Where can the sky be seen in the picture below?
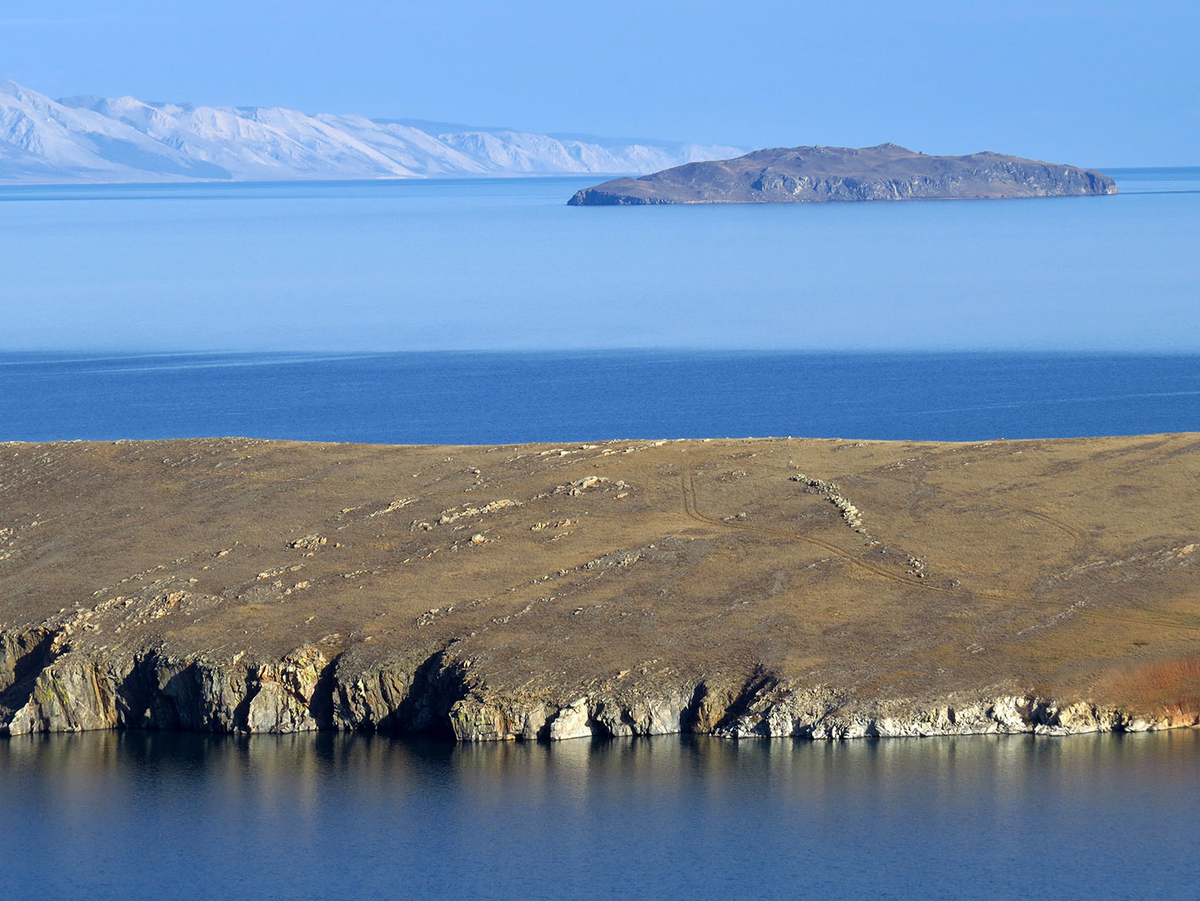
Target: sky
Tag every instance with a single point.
(1096, 84)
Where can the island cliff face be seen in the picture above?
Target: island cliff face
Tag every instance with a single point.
(772, 587)
(816, 174)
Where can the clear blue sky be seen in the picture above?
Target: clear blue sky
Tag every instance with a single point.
(1097, 84)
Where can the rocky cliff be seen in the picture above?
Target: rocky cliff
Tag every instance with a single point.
(815, 174)
(824, 589)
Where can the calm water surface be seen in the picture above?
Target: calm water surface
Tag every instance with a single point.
(143, 815)
(505, 264)
(470, 398)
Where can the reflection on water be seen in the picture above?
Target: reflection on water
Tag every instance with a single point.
(156, 815)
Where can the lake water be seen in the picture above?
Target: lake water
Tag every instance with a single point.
(967, 321)
(160, 816)
(473, 398)
(506, 265)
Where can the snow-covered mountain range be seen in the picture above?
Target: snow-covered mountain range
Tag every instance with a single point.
(122, 139)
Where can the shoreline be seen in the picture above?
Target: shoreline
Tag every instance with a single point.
(821, 589)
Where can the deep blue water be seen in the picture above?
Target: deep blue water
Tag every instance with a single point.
(473, 398)
(160, 816)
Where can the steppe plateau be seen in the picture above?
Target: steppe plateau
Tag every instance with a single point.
(739, 587)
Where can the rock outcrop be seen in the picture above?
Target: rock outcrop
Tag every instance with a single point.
(306, 692)
(818, 174)
(612, 589)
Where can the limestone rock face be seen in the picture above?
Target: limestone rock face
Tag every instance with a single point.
(821, 174)
(287, 699)
(72, 694)
(304, 692)
(572, 721)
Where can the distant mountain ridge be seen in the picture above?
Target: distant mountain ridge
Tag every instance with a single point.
(123, 139)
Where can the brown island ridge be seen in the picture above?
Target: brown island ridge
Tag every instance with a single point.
(817, 588)
(812, 174)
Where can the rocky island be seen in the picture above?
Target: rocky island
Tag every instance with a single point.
(816, 174)
(768, 587)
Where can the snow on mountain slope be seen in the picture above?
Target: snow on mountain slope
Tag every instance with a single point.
(123, 139)
(249, 143)
(505, 151)
(82, 145)
(419, 151)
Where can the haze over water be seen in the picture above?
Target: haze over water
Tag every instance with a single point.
(505, 264)
(1013, 310)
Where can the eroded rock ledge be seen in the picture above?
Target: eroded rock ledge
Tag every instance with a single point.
(308, 691)
(618, 588)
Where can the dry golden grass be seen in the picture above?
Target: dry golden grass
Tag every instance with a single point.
(1012, 563)
(1170, 688)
